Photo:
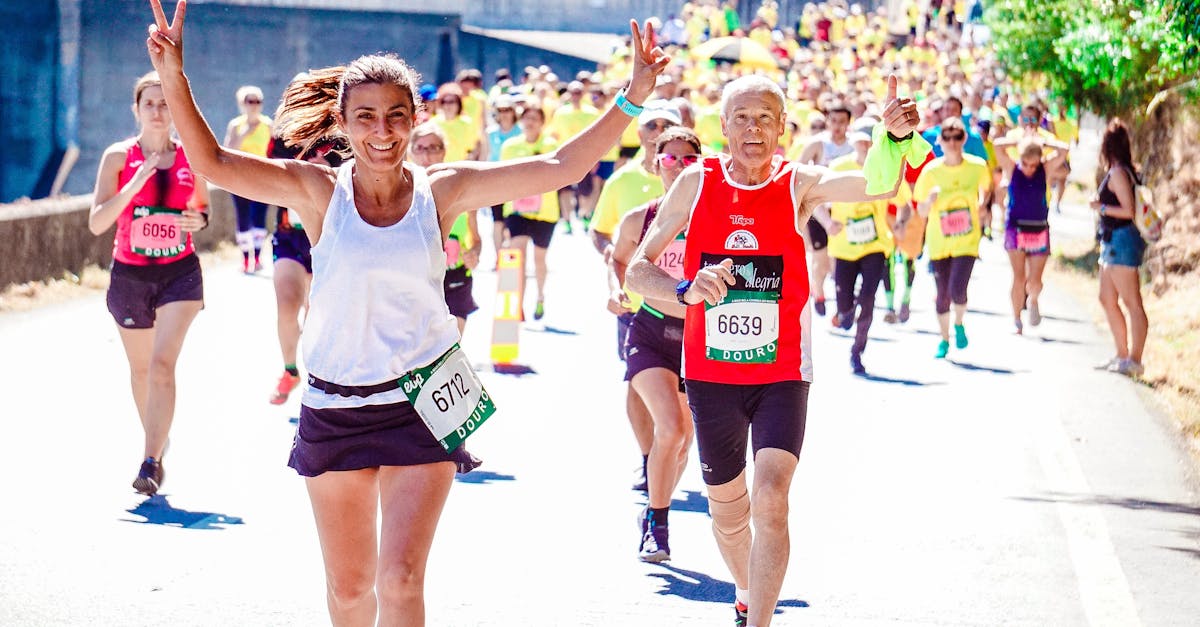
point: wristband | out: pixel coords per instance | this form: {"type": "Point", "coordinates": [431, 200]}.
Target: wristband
{"type": "Point", "coordinates": [900, 139]}
{"type": "Point", "coordinates": [627, 107]}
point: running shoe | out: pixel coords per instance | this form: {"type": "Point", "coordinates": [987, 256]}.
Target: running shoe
{"type": "Point", "coordinates": [856, 364]}
{"type": "Point", "coordinates": [904, 312]}
{"type": "Point", "coordinates": [245, 265]}
{"type": "Point", "coordinates": [819, 306]}
{"type": "Point", "coordinates": [1109, 365]}
{"type": "Point", "coordinates": [287, 383]}
{"type": "Point", "coordinates": [1019, 326]}
{"type": "Point", "coordinates": [943, 349]}
{"type": "Point", "coordinates": [539, 311]}
{"type": "Point", "coordinates": [1127, 367]}
{"type": "Point", "coordinates": [741, 615]}
{"type": "Point", "coordinates": [960, 336]}
{"type": "Point", "coordinates": [890, 317]}
{"type": "Point", "coordinates": [150, 477]}
{"type": "Point", "coordinates": [654, 545]}
{"type": "Point", "coordinates": [843, 322]}
{"type": "Point", "coordinates": [1035, 315]}
{"type": "Point", "coordinates": [258, 267]}
{"type": "Point", "coordinates": [639, 481]}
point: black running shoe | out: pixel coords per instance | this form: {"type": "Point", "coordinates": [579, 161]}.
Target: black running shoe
{"type": "Point", "coordinates": [150, 477]}
{"type": "Point", "coordinates": [741, 616]}
{"type": "Point", "coordinates": [654, 545]}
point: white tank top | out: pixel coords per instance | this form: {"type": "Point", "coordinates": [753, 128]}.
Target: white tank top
{"type": "Point", "coordinates": [376, 306]}
{"type": "Point", "coordinates": [831, 151]}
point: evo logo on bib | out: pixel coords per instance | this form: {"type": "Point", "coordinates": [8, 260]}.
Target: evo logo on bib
{"type": "Point", "coordinates": [449, 398]}
{"type": "Point", "coordinates": [744, 327]}
{"type": "Point", "coordinates": [741, 239]}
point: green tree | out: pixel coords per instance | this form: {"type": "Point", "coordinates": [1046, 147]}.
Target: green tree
{"type": "Point", "coordinates": [1110, 56]}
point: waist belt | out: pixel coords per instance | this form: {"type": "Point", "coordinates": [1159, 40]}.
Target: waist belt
{"type": "Point", "coordinates": [352, 390]}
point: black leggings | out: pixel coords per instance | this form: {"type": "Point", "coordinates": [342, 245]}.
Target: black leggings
{"type": "Point", "coordinates": [872, 268]}
{"type": "Point", "coordinates": [951, 276]}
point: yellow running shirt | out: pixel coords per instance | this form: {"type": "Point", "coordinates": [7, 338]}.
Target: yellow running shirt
{"type": "Point", "coordinates": [953, 229]}
{"type": "Point", "coordinates": [569, 121]}
{"type": "Point", "coordinates": [864, 224]}
{"type": "Point", "coordinates": [257, 141]}
{"type": "Point", "coordinates": [461, 136]}
{"type": "Point", "coordinates": [630, 186]}
{"type": "Point", "coordinates": [543, 207]}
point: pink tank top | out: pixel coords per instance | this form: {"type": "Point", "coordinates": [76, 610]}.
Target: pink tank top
{"type": "Point", "coordinates": [147, 233]}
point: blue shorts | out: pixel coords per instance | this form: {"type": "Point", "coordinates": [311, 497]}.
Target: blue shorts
{"type": "Point", "coordinates": [605, 169]}
{"type": "Point", "coordinates": [292, 244]}
{"type": "Point", "coordinates": [1122, 246]}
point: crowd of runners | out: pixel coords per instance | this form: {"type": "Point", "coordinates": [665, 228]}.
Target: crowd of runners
{"type": "Point", "coordinates": [720, 193]}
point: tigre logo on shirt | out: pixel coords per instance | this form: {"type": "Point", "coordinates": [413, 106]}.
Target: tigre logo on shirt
{"type": "Point", "coordinates": [741, 239]}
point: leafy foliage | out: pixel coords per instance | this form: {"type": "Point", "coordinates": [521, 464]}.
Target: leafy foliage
{"type": "Point", "coordinates": [1111, 56]}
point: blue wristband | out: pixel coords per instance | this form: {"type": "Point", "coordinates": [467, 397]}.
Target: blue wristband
{"type": "Point", "coordinates": [624, 105]}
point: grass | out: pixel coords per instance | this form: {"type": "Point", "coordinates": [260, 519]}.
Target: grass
{"type": "Point", "coordinates": [1172, 355]}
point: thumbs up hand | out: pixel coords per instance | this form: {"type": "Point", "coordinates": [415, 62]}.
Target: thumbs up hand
{"type": "Point", "coordinates": [900, 115]}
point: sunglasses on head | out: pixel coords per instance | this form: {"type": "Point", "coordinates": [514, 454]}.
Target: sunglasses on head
{"type": "Point", "coordinates": [668, 160]}
{"type": "Point", "coordinates": [954, 137]}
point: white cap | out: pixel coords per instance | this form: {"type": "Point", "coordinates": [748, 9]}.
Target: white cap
{"type": "Point", "coordinates": [659, 109]}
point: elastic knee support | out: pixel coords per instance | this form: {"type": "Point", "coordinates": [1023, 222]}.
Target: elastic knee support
{"type": "Point", "coordinates": [731, 520]}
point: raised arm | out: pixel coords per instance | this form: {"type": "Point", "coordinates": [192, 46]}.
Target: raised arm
{"type": "Point", "coordinates": [1002, 145]}
{"type": "Point", "coordinates": [298, 185]}
{"type": "Point", "coordinates": [461, 186]}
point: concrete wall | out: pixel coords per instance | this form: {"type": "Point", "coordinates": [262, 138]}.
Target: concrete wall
{"type": "Point", "coordinates": [229, 46]}
{"type": "Point", "coordinates": [43, 238]}
{"type": "Point", "coordinates": [28, 63]}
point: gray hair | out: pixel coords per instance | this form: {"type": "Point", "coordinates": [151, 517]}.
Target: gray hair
{"type": "Point", "coordinates": [748, 84]}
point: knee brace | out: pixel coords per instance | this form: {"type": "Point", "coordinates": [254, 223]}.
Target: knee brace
{"type": "Point", "coordinates": [258, 237]}
{"type": "Point", "coordinates": [731, 520]}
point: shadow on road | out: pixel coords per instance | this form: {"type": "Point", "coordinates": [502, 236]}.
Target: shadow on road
{"type": "Point", "coordinates": [905, 382]}
{"type": "Point", "coordinates": [158, 511]}
{"type": "Point", "coordinates": [695, 502]}
{"type": "Point", "coordinates": [483, 477]}
{"type": "Point", "coordinates": [694, 586]}
{"type": "Point", "coordinates": [1114, 501]}
{"type": "Point", "coordinates": [988, 369]}
{"type": "Point", "coordinates": [1056, 340]}
{"type": "Point", "coordinates": [551, 330]}
{"type": "Point", "coordinates": [513, 369]}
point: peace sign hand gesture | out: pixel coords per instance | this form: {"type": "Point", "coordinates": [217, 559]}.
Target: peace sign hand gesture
{"type": "Point", "coordinates": [649, 61]}
{"type": "Point", "coordinates": [165, 41]}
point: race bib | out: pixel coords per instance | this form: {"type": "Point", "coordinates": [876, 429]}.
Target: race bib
{"type": "Point", "coordinates": [449, 398]}
{"type": "Point", "coordinates": [155, 232]}
{"type": "Point", "coordinates": [861, 230]}
{"type": "Point", "coordinates": [529, 205]}
{"type": "Point", "coordinates": [671, 260]}
{"type": "Point", "coordinates": [744, 327]}
{"type": "Point", "coordinates": [1033, 241]}
{"type": "Point", "coordinates": [453, 252]}
{"type": "Point", "coordinates": [956, 222]}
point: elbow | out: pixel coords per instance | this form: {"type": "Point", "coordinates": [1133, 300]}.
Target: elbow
{"type": "Point", "coordinates": [633, 275]}
{"type": "Point", "coordinates": [94, 225]}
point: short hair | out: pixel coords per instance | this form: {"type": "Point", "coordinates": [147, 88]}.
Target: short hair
{"type": "Point", "coordinates": [677, 133]}
{"type": "Point", "coordinates": [748, 84]}
{"type": "Point", "coordinates": [838, 106]}
{"type": "Point", "coordinates": [424, 129]}
{"type": "Point", "coordinates": [248, 90]}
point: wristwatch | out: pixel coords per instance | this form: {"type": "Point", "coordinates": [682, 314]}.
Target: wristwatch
{"type": "Point", "coordinates": [680, 289]}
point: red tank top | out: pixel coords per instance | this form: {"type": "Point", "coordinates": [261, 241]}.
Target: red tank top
{"type": "Point", "coordinates": [759, 333]}
{"type": "Point", "coordinates": [146, 230]}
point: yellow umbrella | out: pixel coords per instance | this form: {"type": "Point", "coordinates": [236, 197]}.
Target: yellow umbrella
{"type": "Point", "coordinates": [738, 50]}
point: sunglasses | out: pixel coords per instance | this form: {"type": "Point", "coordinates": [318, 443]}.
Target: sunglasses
{"type": "Point", "coordinates": [668, 160]}
{"type": "Point", "coordinates": [449, 101]}
{"type": "Point", "coordinates": [249, 101]}
{"type": "Point", "coordinates": [434, 149]}
{"type": "Point", "coordinates": [657, 125]}
{"type": "Point", "coordinates": [956, 137]}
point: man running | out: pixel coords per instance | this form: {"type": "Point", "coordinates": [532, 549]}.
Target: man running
{"type": "Point", "coordinates": [746, 330]}
{"type": "Point", "coordinates": [822, 150]}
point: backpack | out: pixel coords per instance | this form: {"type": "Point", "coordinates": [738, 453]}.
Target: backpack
{"type": "Point", "coordinates": [1147, 220]}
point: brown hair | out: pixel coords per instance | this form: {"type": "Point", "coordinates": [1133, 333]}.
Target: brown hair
{"type": "Point", "coordinates": [310, 103]}
{"type": "Point", "coordinates": [149, 79]}
{"type": "Point", "coordinates": [677, 133]}
{"type": "Point", "coordinates": [1114, 147]}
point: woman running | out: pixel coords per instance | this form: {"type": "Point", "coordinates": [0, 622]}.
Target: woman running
{"type": "Point", "coordinates": [250, 132]}
{"type": "Point", "coordinates": [1027, 230]}
{"type": "Point", "coordinates": [950, 192]}
{"type": "Point", "coordinates": [532, 218]}
{"type": "Point", "coordinates": [378, 328]}
{"type": "Point", "coordinates": [426, 148]}
{"type": "Point", "coordinates": [655, 349]}
{"type": "Point", "coordinates": [1121, 251]}
{"type": "Point", "coordinates": [147, 188]}
{"type": "Point", "coordinates": [504, 129]}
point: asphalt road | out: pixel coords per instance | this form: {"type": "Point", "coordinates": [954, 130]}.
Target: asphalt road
{"type": "Point", "coordinates": [1008, 485]}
